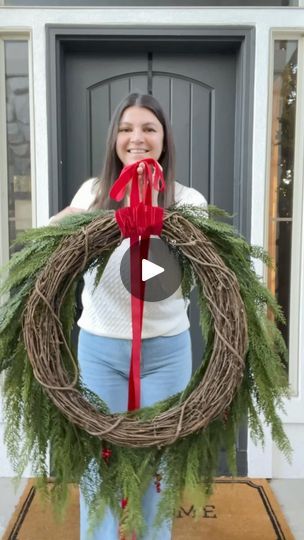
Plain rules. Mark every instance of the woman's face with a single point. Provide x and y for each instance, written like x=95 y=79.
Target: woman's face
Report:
x=140 y=135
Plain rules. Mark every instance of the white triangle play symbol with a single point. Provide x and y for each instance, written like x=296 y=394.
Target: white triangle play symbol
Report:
x=150 y=270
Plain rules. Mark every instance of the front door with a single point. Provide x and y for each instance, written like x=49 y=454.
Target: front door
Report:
x=196 y=86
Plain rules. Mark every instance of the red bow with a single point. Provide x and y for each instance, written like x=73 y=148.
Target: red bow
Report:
x=140 y=219
x=129 y=174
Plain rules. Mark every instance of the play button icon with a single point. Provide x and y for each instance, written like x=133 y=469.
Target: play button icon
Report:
x=150 y=270
x=160 y=271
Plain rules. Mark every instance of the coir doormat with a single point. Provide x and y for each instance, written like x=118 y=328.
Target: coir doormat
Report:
x=239 y=509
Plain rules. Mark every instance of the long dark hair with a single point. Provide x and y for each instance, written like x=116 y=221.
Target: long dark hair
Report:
x=112 y=165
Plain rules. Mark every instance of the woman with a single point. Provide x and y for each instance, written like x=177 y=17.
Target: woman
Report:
x=138 y=130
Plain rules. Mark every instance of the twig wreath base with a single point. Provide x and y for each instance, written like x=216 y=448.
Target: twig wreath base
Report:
x=115 y=457
x=224 y=373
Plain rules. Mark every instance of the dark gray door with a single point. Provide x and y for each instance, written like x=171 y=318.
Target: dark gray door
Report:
x=197 y=88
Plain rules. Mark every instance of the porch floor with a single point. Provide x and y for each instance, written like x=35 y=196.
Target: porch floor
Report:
x=289 y=492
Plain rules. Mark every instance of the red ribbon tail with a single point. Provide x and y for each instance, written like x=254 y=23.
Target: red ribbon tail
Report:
x=139 y=251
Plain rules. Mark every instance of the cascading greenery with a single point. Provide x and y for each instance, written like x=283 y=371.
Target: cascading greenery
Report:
x=33 y=424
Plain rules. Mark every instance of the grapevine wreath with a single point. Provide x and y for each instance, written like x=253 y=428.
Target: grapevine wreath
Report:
x=115 y=456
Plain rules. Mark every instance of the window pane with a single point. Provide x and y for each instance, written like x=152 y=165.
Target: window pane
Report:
x=285 y=80
x=283 y=267
x=282 y=171
x=18 y=137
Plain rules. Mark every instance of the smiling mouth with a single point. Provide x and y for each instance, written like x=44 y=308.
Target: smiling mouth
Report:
x=138 y=151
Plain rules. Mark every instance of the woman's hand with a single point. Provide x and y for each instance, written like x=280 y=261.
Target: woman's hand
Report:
x=65 y=212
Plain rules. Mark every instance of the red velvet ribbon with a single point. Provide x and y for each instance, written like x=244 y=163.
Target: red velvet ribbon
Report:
x=137 y=222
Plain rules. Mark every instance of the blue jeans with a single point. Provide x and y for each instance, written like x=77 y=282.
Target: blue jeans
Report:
x=166 y=363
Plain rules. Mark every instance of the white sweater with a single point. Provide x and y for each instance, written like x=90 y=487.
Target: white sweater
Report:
x=107 y=308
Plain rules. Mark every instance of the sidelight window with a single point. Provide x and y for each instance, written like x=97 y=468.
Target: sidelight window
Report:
x=16 y=200
x=285 y=192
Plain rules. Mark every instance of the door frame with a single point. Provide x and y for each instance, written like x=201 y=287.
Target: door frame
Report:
x=242 y=39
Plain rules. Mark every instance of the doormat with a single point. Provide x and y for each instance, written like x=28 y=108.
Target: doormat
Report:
x=239 y=508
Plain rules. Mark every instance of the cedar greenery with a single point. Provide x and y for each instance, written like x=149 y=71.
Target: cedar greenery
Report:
x=33 y=424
